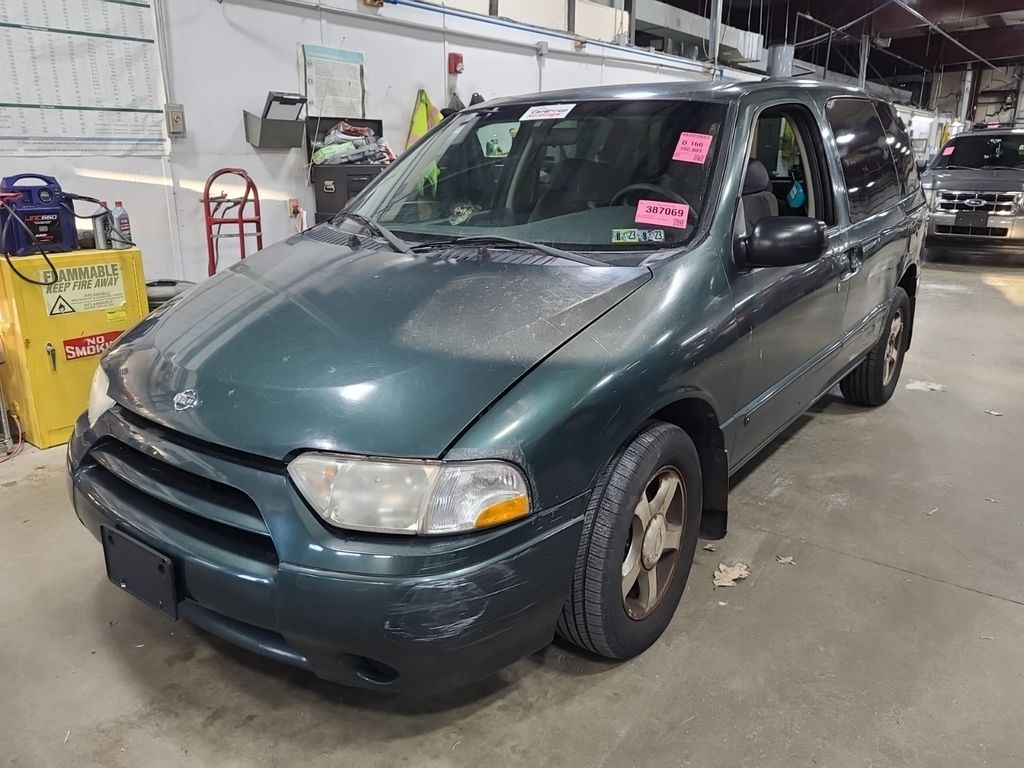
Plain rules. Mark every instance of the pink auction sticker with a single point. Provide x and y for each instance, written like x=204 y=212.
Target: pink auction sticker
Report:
x=665 y=214
x=948 y=150
x=692 y=147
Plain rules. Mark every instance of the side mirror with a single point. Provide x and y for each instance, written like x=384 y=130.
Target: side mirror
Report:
x=922 y=164
x=784 y=241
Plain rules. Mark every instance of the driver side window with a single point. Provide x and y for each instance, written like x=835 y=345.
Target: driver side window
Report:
x=786 y=174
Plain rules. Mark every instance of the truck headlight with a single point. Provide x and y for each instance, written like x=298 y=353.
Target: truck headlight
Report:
x=99 y=401
x=410 y=497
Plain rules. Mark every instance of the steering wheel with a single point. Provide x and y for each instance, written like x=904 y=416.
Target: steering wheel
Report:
x=661 y=192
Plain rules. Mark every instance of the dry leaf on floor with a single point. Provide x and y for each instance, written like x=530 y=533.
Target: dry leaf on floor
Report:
x=722 y=603
x=994 y=501
x=728 y=575
x=986 y=637
x=710 y=547
x=927 y=386
x=787 y=560
x=994 y=413
x=932 y=512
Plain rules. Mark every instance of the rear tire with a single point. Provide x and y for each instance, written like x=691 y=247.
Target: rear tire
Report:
x=638 y=542
x=874 y=381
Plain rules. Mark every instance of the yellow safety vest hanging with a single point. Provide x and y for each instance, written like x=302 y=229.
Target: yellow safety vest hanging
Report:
x=424 y=117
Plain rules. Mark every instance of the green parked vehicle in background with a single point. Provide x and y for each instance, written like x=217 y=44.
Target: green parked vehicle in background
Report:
x=405 y=448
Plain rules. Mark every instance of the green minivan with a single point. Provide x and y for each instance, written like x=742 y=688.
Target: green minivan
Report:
x=501 y=396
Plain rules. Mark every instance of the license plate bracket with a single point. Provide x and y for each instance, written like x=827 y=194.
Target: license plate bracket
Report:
x=140 y=571
x=972 y=219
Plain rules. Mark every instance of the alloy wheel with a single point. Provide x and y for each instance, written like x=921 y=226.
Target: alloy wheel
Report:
x=893 y=347
x=652 y=548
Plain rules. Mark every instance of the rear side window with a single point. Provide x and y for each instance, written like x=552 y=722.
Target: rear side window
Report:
x=871 y=181
x=899 y=144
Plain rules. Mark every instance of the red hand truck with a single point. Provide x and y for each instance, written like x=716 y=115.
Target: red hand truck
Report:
x=215 y=209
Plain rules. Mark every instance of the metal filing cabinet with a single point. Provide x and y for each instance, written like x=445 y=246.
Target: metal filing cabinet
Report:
x=335 y=185
x=53 y=335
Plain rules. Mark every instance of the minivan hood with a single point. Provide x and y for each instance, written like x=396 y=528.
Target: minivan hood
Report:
x=311 y=345
x=976 y=180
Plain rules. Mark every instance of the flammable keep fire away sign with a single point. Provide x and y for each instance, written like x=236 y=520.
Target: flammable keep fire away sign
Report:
x=83 y=288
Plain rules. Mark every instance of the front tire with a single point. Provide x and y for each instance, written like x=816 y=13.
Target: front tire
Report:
x=638 y=542
x=874 y=381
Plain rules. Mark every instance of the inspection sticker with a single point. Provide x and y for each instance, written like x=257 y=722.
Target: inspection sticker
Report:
x=666 y=214
x=636 y=235
x=693 y=147
x=84 y=288
x=948 y=150
x=87 y=346
x=547 y=112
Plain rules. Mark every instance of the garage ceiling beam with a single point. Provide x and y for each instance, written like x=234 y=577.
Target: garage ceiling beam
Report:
x=997 y=44
x=893 y=19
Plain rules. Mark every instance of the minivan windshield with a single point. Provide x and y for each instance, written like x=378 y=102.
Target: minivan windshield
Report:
x=997 y=151
x=591 y=176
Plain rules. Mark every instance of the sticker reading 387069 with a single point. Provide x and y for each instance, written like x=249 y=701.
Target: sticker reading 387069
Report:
x=547 y=112
x=661 y=213
x=692 y=147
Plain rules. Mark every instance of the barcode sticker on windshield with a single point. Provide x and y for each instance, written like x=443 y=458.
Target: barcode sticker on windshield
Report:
x=692 y=147
x=948 y=150
x=665 y=214
x=547 y=112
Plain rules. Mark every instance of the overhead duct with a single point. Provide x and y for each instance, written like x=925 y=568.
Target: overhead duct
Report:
x=780 y=61
x=687 y=29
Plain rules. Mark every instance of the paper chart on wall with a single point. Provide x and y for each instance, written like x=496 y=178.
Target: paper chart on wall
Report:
x=80 y=77
x=334 y=82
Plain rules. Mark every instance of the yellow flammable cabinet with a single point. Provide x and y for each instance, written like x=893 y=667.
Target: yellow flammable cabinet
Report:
x=53 y=334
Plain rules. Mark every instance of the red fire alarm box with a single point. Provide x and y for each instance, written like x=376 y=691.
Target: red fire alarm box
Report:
x=455 y=64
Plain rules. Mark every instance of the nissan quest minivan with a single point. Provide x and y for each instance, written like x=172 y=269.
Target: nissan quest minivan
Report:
x=501 y=396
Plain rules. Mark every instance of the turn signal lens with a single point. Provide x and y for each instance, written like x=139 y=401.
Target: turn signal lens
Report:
x=503 y=512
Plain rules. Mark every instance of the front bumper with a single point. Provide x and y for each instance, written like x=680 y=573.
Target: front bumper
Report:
x=395 y=613
x=1001 y=229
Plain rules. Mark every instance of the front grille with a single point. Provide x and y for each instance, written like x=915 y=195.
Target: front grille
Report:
x=944 y=229
x=251 y=546
x=993 y=203
x=212 y=511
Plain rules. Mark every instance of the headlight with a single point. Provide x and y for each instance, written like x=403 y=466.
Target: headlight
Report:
x=99 y=400
x=390 y=496
x=929 y=195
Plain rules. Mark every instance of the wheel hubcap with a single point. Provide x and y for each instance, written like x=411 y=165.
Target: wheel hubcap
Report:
x=652 y=547
x=893 y=347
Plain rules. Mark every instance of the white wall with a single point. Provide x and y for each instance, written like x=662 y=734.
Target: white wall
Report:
x=224 y=57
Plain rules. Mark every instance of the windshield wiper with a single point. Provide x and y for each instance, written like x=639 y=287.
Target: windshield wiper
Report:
x=550 y=250
x=378 y=229
x=957 y=168
x=1002 y=168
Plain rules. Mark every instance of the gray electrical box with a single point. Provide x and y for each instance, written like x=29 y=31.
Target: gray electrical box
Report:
x=174 y=114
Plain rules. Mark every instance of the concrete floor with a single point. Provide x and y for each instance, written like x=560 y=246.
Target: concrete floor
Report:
x=895 y=640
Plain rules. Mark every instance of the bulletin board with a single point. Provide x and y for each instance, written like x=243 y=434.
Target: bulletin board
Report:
x=80 y=77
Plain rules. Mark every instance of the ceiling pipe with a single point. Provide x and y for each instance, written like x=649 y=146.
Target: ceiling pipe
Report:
x=838 y=32
x=847 y=25
x=944 y=33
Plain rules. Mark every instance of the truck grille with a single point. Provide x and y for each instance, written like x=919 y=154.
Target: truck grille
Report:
x=219 y=514
x=992 y=203
x=944 y=229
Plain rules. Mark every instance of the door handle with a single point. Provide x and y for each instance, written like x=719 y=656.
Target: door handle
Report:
x=51 y=352
x=855 y=258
